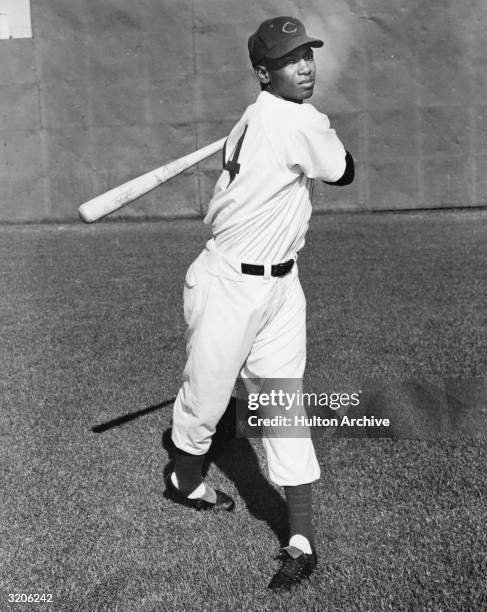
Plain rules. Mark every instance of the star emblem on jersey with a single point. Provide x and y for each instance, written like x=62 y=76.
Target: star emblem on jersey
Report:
x=289 y=27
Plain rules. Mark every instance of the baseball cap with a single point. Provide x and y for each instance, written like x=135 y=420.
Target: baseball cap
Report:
x=278 y=36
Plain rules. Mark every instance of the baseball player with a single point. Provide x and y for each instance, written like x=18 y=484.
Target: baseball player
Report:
x=243 y=302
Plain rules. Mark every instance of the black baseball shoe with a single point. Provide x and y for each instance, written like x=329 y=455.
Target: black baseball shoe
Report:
x=296 y=565
x=223 y=501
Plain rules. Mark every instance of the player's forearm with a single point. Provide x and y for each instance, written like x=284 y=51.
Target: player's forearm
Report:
x=348 y=175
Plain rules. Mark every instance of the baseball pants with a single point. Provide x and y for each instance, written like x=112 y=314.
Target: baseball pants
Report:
x=248 y=326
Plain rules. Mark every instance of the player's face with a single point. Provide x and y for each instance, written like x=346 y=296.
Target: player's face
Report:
x=292 y=76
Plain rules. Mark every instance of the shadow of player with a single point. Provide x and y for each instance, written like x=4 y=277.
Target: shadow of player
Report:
x=237 y=460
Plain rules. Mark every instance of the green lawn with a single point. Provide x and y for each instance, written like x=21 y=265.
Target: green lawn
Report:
x=92 y=330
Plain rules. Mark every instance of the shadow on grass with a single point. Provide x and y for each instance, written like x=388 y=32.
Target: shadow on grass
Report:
x=131 y=416
x=233 y=457
x=237 y=460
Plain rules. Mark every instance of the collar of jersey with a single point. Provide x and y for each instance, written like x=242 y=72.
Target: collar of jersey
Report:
x=266 y=97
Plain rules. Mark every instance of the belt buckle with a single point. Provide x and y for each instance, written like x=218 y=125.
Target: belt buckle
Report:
x=267 y=272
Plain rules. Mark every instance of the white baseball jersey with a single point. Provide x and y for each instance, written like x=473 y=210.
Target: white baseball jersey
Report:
x=260 y=209
x=255 y=326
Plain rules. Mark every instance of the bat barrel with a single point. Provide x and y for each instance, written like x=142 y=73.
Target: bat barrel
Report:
x=120 y=196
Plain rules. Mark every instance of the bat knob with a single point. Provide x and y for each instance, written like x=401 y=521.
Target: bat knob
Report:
x=84 y=214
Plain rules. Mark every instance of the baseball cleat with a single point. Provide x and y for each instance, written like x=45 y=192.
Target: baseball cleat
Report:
x=296 y=565
x=223 y=501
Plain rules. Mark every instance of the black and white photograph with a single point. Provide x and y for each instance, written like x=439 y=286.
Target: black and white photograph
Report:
x=243 y=305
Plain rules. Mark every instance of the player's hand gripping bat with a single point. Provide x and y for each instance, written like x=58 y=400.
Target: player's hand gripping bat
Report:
x=114 y=199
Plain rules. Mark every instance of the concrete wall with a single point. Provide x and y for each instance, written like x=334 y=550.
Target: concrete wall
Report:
x=108 y=89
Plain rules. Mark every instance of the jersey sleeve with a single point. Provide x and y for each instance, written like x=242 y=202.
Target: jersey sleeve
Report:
x=314 y=148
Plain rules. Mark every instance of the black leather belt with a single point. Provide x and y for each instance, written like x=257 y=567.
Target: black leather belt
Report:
x=276 y=270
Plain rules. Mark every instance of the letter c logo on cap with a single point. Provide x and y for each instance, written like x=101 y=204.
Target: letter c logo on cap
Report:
x=289 y=27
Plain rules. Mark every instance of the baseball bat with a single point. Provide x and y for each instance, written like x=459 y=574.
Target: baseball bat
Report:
x=120 y=196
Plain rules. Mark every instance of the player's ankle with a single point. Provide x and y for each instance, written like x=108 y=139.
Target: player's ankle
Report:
x=187 y=471
x=202 y=490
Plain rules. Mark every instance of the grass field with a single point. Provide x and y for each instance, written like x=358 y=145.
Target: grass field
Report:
x=92 y=332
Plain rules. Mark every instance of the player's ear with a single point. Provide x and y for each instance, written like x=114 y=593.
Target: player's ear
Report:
x=262 y=73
